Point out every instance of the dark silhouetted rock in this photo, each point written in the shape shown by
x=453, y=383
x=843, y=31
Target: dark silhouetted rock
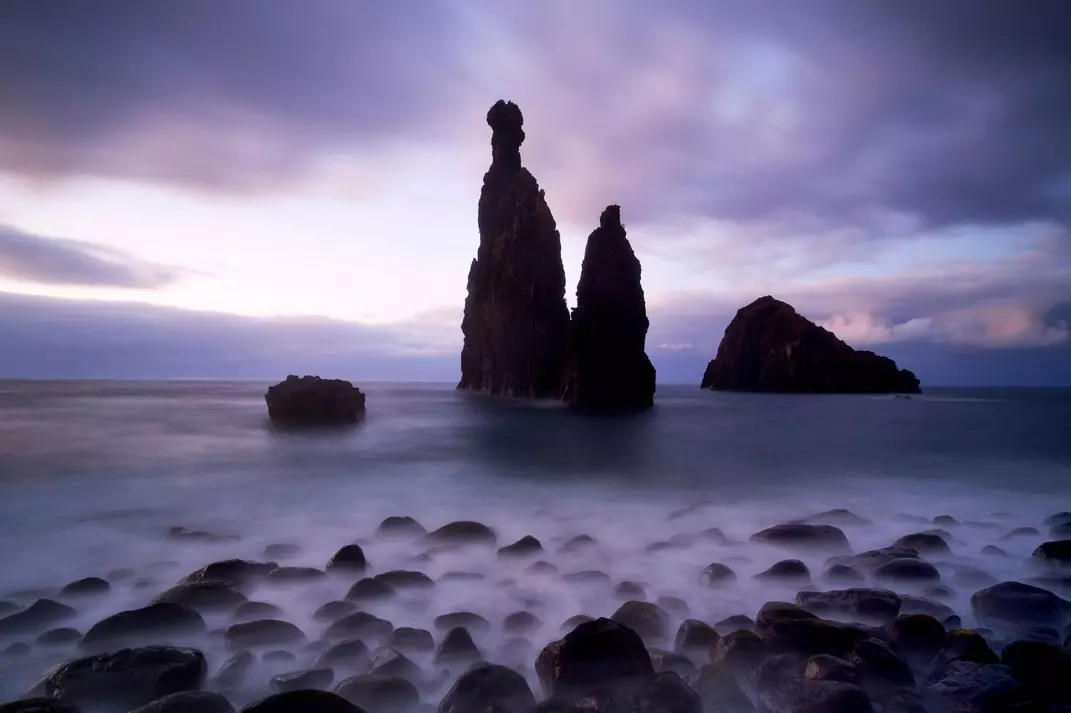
x=39, y=616
x=1055, y=554
x=238, y=572
x=151, y=623
x=815, y=696
x=1043, y=669
x=251, y=611
x=205, y=595
x=880, y=669
x=516, y=323
x=351, y=654
x=188, y=702
x=400, y=526
x=262, y=633
x=838, y=517
x=674, y=605
x=404, y=579
x=872, y=559
x=667, y=693
x=388, y=662
x=409, y=639
x=630, y=590
x=39, y=705
x=919, y=637
x=521, y=622
x=312, y=401
x=464, y=532
x=1013, y=605
x=907, y=569
x=740, y=651
x=823, y=667
x=924, y=543
x=485, y=686
x=334, y=610
x=787, y=571
x=457, y=647
x=695, y=636
x=349, y=558
x=467, y=619
x=233, y=672
x=578, y=544
x=645, y=618
x=85, y=588
x=59, y=637
x=593, y=655
x=973, y=687
x=358, y=625
x=295, y=575
x=799, y=535
x=376, y=692
x=575, y=621
x=772, y=612
x=524, y=547
x=769, y=347
x=719, y=691
x=860, y=604
x=966, y=645
x=307, y=701
x=608, y=369
x=278, y=656
x=301, y=680
x=126, y=678
x=736, y=622
x=282, y=550
x=843, y=574
x=807, y=637
x=717, y=574
x=372, y=589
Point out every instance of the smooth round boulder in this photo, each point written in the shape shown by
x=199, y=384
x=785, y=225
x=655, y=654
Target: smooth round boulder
x=412, y=640
x=843, y=574
x=924, y=543
x=1021, y=532
x=38, y=705
x=41, y=615
x=673, y=605
x=907, y=569
x=63, y=636
x=487, y=687
x=788, y=571
x=741, y=652
x=646, y=619
x=334, y=610
x=879, y=668
x=457, y=647
x=307, y=701
x=155, y=622
x=86, y=587
x=464, y=532
x=577, y=544
x=966, y=645
x=595, y=654
x=263, y=633
x=527, y=546
x=203, y=595
x=348, y=559
x=718, y=691
x=376, y=692
x=857, y=603
x=772, y=612
x=1053, y=555
x=575, y=621
x=312, y=678
x=521, y=622
x=358, y=625
x=736, y=622
x=717, y=575
x=278, y=656
x=238, y=572
x=389, y=662
x=370, y=590
x=542, y=567
x=1014, y=605
x=803, y=536
x=349, y=654
x=466, y=619
x=232, y=674
x=295, y=575
x=694, y=636
x=188, y=702
x=400, y=526
x=630, y=590
x=251, y=611
x=401, y=579
x=838, y=516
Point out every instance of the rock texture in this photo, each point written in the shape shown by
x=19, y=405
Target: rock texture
x=516, y=322
x=608, y=368
x=312, y=401
x=769, y=347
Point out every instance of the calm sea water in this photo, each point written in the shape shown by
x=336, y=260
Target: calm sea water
x=93, y=474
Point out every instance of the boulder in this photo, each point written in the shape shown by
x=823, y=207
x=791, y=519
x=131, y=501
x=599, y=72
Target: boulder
x=485, y=686
x=872, y=559
x=815, y=696
x=349, y=559
x=608, y=370
x=799, y=535
x=358, y=625
x=388, y=662
x=295, y=575
x=372, y=589
x=256, y=610
x=858, y=604
x=334, y=610
x=924, y=543
x=188, y=702
x=232, y=674
x=282, y=550
x=843, y=574
x=717, y=574
x=823, y=667
x=464, y=532
x=918, y=637
x=1017, y=606
x=741, y=652
x=307, y=701
x=375, y=692
x=400, y=526
x=161, y=621
x=126, y=678
x=646, y=619
x=409, y=639
x=719, y=692
x=319, y=678
x=695, y=636
x=787, y=572
x=667, y=693
x=593, y=655
x=769, y=347
x=1043, y=669
x=907, y=569
x=467, y=619
x=263, y=633
x=880, y=670
x=978, y=688
x=38, y=705
x=807, y=637
x=524, y=547
x=1055, y=554
x=313, y=401
x=85, y=588
x=521, y=622
x=59, y=637
x=773, y=612
x=350, y=654
x=41, y=615
x=839, y=517
x=966, y=645
x=404, y=579
x=204, y=595
x=238, y=572
x=457, y=647
x=516, y=322
x=736, y=622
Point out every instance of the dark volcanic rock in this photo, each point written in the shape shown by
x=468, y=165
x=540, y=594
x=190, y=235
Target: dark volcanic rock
x=151, y=623
x=409, y=639
x=594, y=654
x=608, y=369
x=312, y=401
x=907, y=569
x=38, y=705
x=256, y=610
x=798, y=535
x=350, y=558
x=352, y=654
x=86, y=587
x=188, y=702
x=59, y=637
x=464, y=532
x=358, y=624
x=399, y=579
x=378, y=692
x=924, y=543
x=695, y=636
x=516, y=322
x=237, y=572
x=233, y=672
x=1013, y=605
x=263, y=632
x=523, y=547
x=977, y=688
x=770, y=347
x=487, y=685
x=204, y=595
x=300, y=680
x=646, y=619
x=1055, y=554
x=370, y=589
x=307, y=701
x=127, y=678
x=787, y=571
x=457, y=647
x=860, y=603
x=40, y=615
x=717, y=574
x=400, y=526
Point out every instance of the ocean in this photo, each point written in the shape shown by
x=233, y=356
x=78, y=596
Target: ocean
x=93, y=476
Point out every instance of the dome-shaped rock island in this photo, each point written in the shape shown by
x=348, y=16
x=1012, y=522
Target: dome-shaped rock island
x=769, y=347
x=314, y=401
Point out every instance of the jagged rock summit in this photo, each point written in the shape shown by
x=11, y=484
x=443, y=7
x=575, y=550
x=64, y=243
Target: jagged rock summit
x=770, y=347
x=313, y=401
x=516, y=322
x=608, y=368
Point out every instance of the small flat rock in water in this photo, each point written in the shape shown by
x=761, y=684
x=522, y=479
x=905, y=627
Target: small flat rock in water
x=262, y=633
x=358, y=625
x=464, y=532
x=41, y=615
x=204, y=595
x=467, y=619
x=319, y=678
x=349, y=558
x=307, y=701
x=524, y=547
x=400, y=526
x=127, y=678
x=156, y=621
x=485, y=687
x=803, y=536
x=370, y=590
x=86, y=587
x=188, y=702
x=375, y=692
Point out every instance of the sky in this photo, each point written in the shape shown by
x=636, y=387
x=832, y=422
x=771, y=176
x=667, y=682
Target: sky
x=248, y=188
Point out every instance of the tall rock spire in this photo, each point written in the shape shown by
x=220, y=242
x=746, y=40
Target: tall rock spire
x=608, y=368
x=516, y=322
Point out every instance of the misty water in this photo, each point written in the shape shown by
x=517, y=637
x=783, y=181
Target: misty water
x=94, y=475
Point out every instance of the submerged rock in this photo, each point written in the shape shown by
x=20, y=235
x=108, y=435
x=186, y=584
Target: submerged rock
x=769, y=347
x=313, y=401
x=608, y=368
x=516, y=322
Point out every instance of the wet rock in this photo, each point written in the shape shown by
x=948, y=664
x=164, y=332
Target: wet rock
x=811, y=696
x=370, y=590
x=516, y=323
x=467, y=619
x=359, y=624
x=978, y=688
x=880, y=670
x=1021, y=532
x=40, y=615
x=907, y=569
x=542, y=567
x=232, y=674
x=86, y=587
x=256, y=610
x=608, y=370
x=1055, y=554
x=1060, y=531
x=860, y=604
x=8, y=608
x=945, y=521
x=1044, y=670
x=769, y=347
x=485, y=687
x=188, y=702
x=238, y=572
x=376, y=692
x=204, y=595
x=351, y=654
x=263, y=632
x=803, y=536
x=668, y=693
x=17, y=649
x=670, y=661
x=719, y=692
x=787, y=571
x=1060, y=518
x=38, y=705
x=578, y=543
x=630, y=590
x=126, y=678
x=773, y=612
x=716, y=575
x=823, y=667
x=521, y=622
x=307, y=701
x=295, y=575
x=927, y=543
x=186, y=535
x=314, y=401
x=939, y=591
x=843, y=574
x=587, y=576
x=278, y=656
x=410, y=640
x=673, y=605
x=155, y=622
x=807, y=637
x=838, y=517
x=524, y=547
x=646, y=619
x=281, y=550
x=918, y=637
x=966, y=645
x=349, y=559
x=593, y=655
x=736, y=622
x=873, y=559
x=1019, y=606
x=388, y=662
x=695, y=637
x=457, y=647
x=464, y=532
x=740, y=651
x=575, y=621
x=59, y=637
x=400, y=579
x=400, y=526
x=313, y=678
x=334, y=610
x=994, y=551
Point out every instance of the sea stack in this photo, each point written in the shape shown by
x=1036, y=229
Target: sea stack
x=312, y=401
x=608, y=368
x=770, y=347
x=516, y=321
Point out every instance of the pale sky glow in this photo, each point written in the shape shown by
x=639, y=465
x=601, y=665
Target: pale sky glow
x=876, y=168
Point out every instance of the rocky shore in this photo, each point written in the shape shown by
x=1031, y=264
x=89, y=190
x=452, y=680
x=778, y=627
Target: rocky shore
x=848, y=630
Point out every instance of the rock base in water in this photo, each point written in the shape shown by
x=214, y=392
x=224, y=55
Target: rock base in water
x=313, y=401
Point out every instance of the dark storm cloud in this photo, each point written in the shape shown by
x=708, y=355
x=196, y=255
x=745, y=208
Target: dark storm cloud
x=60, y=261
x=231, y=93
